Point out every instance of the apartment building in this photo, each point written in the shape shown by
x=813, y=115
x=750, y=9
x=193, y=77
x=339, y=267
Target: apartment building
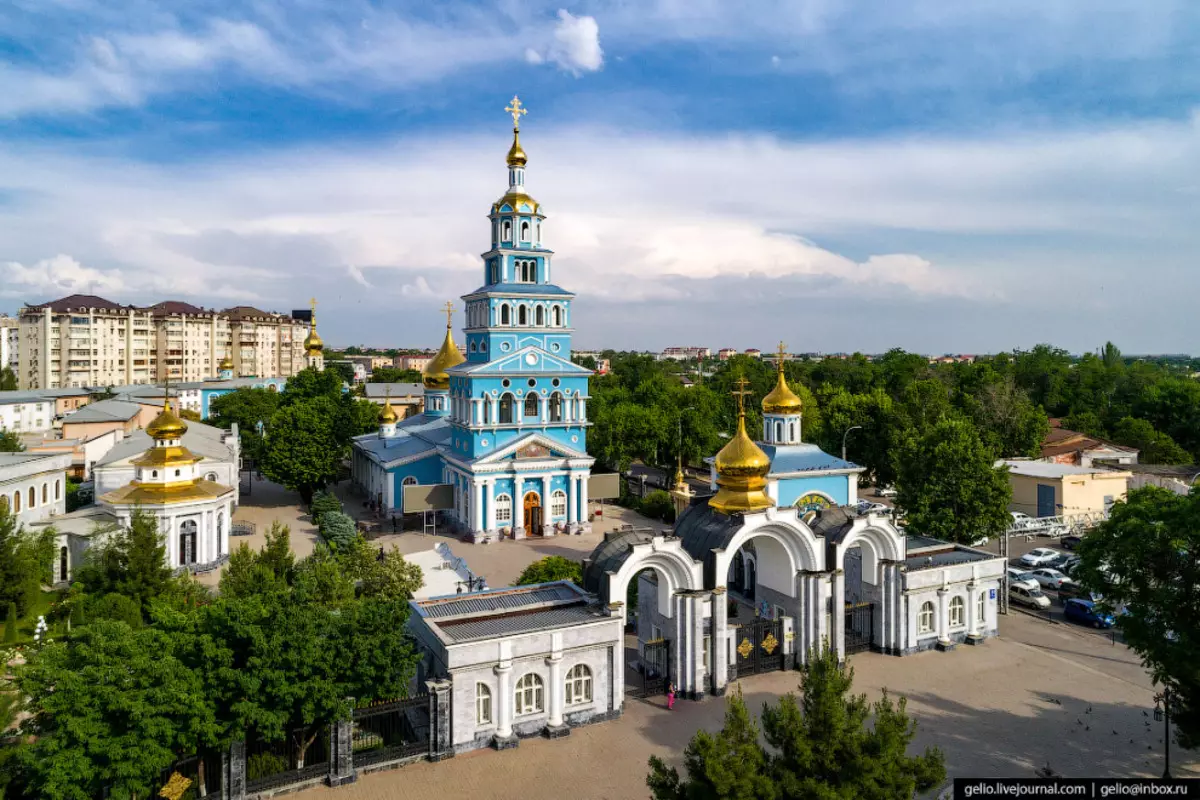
x=10, y=342
x=84, y=340
x=684, y=353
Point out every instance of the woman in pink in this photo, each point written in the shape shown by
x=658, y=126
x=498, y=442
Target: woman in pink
x=670, y=696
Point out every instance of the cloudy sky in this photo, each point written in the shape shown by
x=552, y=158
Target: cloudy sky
x=841, y=174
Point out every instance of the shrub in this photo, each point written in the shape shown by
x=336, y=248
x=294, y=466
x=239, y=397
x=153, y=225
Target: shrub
x=116, y=607
x=338, y=530
x=264, y=765
x=10, y=624
x=322, y=503
x=658, y=505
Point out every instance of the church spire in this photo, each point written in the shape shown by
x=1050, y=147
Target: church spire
x=742, y=468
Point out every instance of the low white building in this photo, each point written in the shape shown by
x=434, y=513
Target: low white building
x=950, y=594
x=444, y=573
x=218, y=451
x=26, y=412
x=33, y=485
x=521, y=661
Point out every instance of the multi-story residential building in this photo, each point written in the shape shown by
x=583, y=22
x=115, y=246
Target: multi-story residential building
x=10, y=343
x=726, y=353
x=84, y=340
x=372, y=362
x=412, y=361
x=684, y=353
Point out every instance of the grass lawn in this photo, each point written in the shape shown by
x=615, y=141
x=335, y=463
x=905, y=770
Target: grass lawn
x=26, y=624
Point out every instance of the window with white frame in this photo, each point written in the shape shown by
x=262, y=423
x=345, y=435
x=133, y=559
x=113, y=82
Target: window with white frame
x=529, y=695
x=483, y=704
x=503, y=509
x=958, y=612
x=556, y=316
x=558, y=503
x=981, y=607
x=579, y=685
x=925, y=618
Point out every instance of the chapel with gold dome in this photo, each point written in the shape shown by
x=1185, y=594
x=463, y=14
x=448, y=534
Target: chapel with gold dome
x=505, y=415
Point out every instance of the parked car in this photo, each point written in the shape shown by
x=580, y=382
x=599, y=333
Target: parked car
x=867, y=507
x=1039, y=556
x=1020, y=521
x=1085, y=613
x=1059, y=561
x=885, y=491
x=1070, y=542
x=1017, y=577
x=1073, y=589
x=1050, y=578
x=1069, y=566
x=1028, y=597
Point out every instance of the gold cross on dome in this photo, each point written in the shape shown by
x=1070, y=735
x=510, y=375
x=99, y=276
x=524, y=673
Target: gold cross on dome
x=741, y=393
x=516, y=110
x=449, y=309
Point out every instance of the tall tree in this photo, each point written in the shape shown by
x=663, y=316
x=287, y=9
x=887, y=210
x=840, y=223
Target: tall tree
x=10, y=442
x=8, y=380
x=1145, y=559
x=129, y=561
x=25, y=561
x=1154, y=447
x=1010, y=423
x=246, y=407
x=551, y=568
x=304, y=451
x=948, y=486
x=310, y=383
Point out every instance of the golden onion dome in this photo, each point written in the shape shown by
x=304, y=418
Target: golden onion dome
x=742, y=469
x=514, y=200
x=434, y=375
x=312, y=343
x=388, y=415
x=166, y=425
x=226, y=364
x=781, y=399
x=516, y=153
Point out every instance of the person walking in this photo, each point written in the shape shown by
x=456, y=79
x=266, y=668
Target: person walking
x=670, y=696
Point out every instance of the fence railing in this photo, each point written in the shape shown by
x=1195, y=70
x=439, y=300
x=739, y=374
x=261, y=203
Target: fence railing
x=242, y=529
x=270, y=765
x=390, y=731
x=1062, y=525
x=202, y=772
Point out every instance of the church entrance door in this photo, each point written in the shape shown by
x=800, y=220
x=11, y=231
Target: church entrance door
x=533, y=513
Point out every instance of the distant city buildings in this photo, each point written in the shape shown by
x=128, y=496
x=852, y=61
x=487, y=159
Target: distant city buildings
x=684, y=353
x=85, y=340
x=417, y=361
x=10, y=338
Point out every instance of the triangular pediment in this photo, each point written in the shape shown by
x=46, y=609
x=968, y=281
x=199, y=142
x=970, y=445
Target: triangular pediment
x=534, y=447
x=529, y=360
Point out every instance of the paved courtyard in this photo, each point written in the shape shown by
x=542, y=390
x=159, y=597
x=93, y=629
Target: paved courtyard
x=1040, y=694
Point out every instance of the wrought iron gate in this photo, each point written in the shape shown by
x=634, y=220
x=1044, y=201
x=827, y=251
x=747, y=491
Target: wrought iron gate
x=860, y=627
x=390, y=730
x=655, y=668
x=759, y=646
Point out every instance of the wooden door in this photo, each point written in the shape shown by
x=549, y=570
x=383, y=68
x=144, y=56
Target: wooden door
x=533, y=513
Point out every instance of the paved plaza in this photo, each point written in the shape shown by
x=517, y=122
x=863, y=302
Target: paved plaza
x=1039, y=694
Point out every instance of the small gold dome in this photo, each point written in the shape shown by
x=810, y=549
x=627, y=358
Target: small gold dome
x=781, y=399
x=513, y=201
x=312, y=343
x=434, y=375
x=516, y=154
x=742, y=469
x=166, y=425
x=226, y=364
x=388, y=415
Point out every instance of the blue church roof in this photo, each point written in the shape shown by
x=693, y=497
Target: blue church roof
x=521, y=288
x=802, y=458
x=414, y=435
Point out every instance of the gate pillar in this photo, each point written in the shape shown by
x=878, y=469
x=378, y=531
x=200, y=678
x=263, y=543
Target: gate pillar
x=789, y=642
x=440, y=745
x=719, y=658
x=341, y=759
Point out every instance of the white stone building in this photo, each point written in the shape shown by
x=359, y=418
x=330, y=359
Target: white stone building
x=26, y=412
x=444, y=573
x=521, y=661
x=33, y=485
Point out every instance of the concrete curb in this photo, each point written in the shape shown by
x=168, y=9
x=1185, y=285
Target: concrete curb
x=1035, y=614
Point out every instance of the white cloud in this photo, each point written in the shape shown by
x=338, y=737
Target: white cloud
x=533, y=56
x=576, y=46
x=59, y=275
x=775, y=61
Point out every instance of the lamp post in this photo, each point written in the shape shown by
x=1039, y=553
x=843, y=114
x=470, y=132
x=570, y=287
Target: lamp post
x=1162, y=713
x=844, y=435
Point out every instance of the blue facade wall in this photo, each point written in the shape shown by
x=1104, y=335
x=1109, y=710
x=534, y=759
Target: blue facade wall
x=426, y=471
x=835, y=486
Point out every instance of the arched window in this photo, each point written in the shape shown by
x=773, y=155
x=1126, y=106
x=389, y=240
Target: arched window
x=529, y=694
x=503, y=509
x=506, y=409
x=409, y=481
x=522, y=315
x=187, y=542
x=958, y=612
x=556, y=316
x=62, y=563
x=779, y=431
x=32, y=498
x=58, y=489
x=539, y=316
x=507, y=231
x=483, y=704
x=487, y=411
x=981, y=609
x=504, y=314
x=531, y=406
x=220, y=526
x=524, y=231
x=791, y=431
x=925, y=618
x=558, y=503
x=16, y=501
x=579, y=685
x=472, y=347
x=45, y=493
x=483, y=347
x=556, y=407
x=212, y=476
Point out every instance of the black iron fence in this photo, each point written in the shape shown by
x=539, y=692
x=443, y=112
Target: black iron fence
x=242, y=529
x=200, y=774
x=390, y=731
x=300, y=756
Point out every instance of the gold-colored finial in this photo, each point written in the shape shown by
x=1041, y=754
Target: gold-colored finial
x=741, y=393
x=516, y=109
x=434, y=375
x=742, y=467
x=449, y=309
x=782, y=352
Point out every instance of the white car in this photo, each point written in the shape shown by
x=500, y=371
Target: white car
x=1018, y=577
x=1032, y=598
x=1050, y=578
x=885, y=491
x=1021, y=521
x=865, y=507
x=1039, y=556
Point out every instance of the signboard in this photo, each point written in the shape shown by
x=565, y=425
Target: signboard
x=604, y=487
x=428, y=497
x=991, y=594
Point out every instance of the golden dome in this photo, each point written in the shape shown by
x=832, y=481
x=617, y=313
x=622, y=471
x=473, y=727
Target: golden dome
x=781, y=399
x=742, y=469
x=516, y=154
x=226, y=364
x=166, y=425
x=312, y=343
x=513, y=200
x=434, y=375
x=388, y=415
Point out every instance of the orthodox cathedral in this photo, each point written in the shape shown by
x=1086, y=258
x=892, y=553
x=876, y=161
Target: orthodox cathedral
x=505, y=423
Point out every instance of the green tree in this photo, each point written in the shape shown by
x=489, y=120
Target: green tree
x=658, y=505
x=1008, y=421
x=309, y=384
x=390, y=577
x=245, y=407
x=10, y=442
x=551, y=568
x=25, y=561
x=1088, y=422
x=882, y=428
x=391, y=375
x=8, y=380
x=304, y=451
x=129, y=561
x=1146, y=559
x=727, y=765
x=322, y=503
x=10, y=625
x=1154, y=447
x=338, y=529
x=112, y=708
x=948, y=487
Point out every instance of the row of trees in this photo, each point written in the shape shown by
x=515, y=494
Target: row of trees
x=156, y=667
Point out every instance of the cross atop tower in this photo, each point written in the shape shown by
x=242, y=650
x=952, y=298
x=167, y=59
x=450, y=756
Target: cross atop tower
x=781, y=351
x=449, y=309
x=516, y=110
x=741, y=393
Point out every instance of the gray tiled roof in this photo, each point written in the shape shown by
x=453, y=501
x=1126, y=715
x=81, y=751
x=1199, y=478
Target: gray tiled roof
x=202, y=440
x=104, y=411
x=500, y=600
x=508, y=624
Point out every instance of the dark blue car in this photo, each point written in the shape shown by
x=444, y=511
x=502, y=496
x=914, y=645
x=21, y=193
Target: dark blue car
x=1085, y=613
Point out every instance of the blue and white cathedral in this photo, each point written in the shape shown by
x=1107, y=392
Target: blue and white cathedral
x=505, y=423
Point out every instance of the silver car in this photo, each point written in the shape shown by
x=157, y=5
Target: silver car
x=1033, y=598
x=1049, y=578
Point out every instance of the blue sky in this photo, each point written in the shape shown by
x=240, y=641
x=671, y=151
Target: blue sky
x=840, y=174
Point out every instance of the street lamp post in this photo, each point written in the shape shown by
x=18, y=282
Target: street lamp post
x=844, y=435
x=1162, y=713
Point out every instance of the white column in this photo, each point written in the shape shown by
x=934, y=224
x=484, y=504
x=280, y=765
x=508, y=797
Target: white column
x=972, y=589
x=899, y=619
x=490, y=493
x=583, y=498
x=547, y=517
x=582, y=409
x=476, y=505
x=504, y=700
x=556, y=689
x=718, y=659
x=696, y=602
x=885, y=604
x=544, y=407
x=839, y=614
x=943, y=621
x=518, y=511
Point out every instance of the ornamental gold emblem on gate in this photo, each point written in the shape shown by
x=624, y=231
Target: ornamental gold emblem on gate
x=770, y=643
x=176, y=787
x=745, y=648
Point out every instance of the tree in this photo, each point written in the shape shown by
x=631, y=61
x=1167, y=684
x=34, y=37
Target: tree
x=190, y=415
x=8, y=380
x=247, y=408
x=112, y=708
x=948, y=487
x=1154, y=447
x=338, y=529
x=10, y=625
x=303, y=451
x=130, y=561
x=25, y=561
x=391, y=375
x=10, y=442
x=381, y=575
x=1011, y=424
x=1145, y=559
x=309, y=384
x=728, y=765
x=322, y=503
x=551, y=568
x=819, y=747
x=658, y=505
